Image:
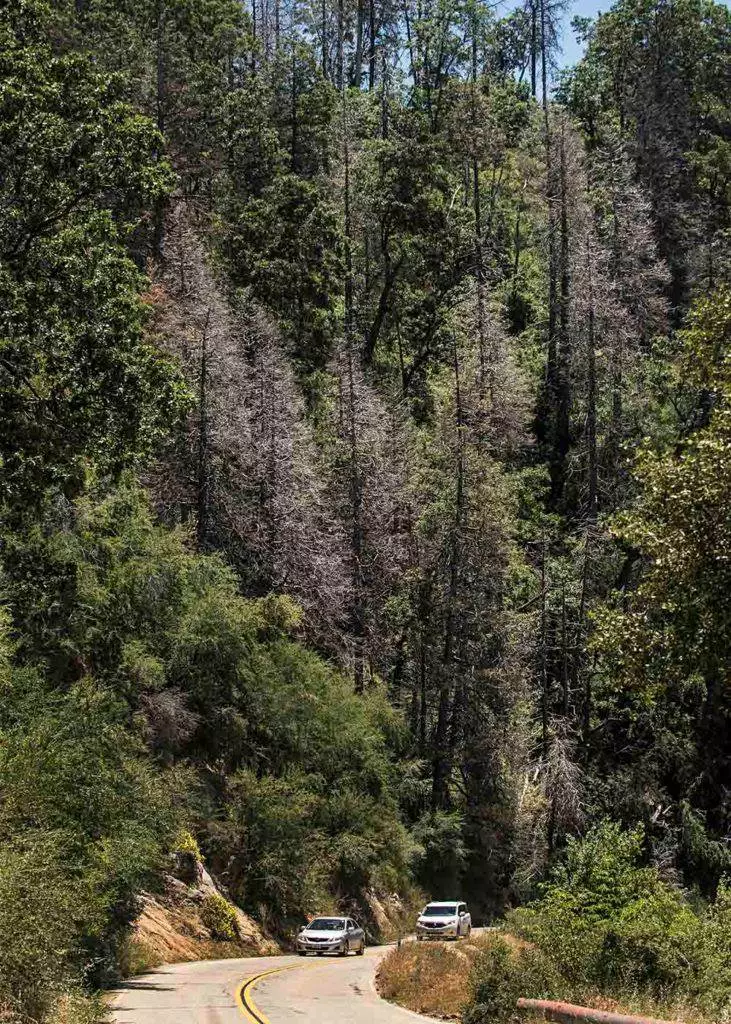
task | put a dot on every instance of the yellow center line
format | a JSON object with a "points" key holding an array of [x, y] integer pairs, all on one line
{"points": [[245, 999]]}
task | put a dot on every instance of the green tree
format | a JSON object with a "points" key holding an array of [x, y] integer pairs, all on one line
{"points": [[666, 646], [80, 386]]}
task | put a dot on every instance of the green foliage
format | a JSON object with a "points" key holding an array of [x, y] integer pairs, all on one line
{"points": [[84, 825], [136, 957], [79, 385], [185, 843], [665, 647], [440, 837], [308, 807], [219, 917], [683, 156], [501, 975], [607, 924], [286, 245], [481, 285], [681, 528]]}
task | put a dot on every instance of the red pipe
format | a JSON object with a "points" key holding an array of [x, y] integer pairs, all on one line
{"points": [[567, 1013]]}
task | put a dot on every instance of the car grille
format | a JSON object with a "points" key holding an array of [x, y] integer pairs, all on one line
{"points": [[434, 924], [319, 940]]}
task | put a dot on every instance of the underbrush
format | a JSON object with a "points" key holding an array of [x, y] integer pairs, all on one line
{"points": [[68, 1008], [610, 932], [137, 957], [430, 978], [606, 932]]}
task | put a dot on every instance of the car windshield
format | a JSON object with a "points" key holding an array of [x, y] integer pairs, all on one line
{"points": [[440, 910], [327, 924]]}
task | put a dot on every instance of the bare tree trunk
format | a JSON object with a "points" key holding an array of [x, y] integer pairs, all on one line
{"points": [[593, 496], [371, 45], [384, 97], [410, 46], [340, 60], [552, 352], [356, 503], [563, 410], [442, 766], [545, 695], [477, 213], [533, 48], [295, 118], [517, 243], [358, 60], [203, 455], [544, 61], [565, 682], [390, 272], [324, 39], [586, 710], [422, 697], [479, 272], [158, 240], [356, 484]]}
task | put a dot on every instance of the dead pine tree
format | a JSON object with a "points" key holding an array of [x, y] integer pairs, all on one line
{"points": [[442, 764]]}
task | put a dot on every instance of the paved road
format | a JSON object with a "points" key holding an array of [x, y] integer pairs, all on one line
{"points": [[316, 990]]}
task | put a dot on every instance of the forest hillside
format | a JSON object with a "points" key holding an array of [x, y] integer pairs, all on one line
{"points": [[365, 465]]}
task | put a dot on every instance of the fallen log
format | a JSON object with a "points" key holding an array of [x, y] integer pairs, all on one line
{"points": [[567, 1013]]}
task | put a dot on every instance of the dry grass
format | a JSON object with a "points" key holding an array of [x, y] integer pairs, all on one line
{"points": [[435, 979], [430, 977]]}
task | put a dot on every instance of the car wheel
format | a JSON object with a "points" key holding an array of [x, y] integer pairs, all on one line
{"points": [[419, 938], [361, 948], [301, 952], [345, 950]]}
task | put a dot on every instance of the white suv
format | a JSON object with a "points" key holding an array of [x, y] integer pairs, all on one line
{"points": [[450, 920]]}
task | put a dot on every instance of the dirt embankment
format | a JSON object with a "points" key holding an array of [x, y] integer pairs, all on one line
{"points": [[192, 921]]}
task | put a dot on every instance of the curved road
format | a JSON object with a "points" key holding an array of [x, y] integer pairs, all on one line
{"points": [[316, 990]]}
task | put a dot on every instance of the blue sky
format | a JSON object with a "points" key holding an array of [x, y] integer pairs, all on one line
{"points": [[586, 8], [572, 50]]}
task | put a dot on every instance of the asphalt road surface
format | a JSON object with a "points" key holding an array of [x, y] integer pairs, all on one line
{"points": [[312, 990]]}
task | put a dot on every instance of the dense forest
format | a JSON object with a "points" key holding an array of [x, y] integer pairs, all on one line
{"points": [[365, 440]]}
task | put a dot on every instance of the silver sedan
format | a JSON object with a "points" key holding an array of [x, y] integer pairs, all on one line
{"points": [[340, 935]]}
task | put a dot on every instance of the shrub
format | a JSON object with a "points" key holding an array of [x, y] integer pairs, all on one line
{"points": [[188, 856], [612, 926], [186, 844], [712, 963], [606, 921], [219, 917], [501, 975], [428, 978], [77, 1008], [40, 910], [137, 957]]}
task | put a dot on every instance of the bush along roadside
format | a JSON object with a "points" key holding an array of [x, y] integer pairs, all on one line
{"points": [[610, 933], [606, 932]]}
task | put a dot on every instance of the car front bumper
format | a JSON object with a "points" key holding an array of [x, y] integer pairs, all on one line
{"points": [[448, 931], [320, 947]]}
